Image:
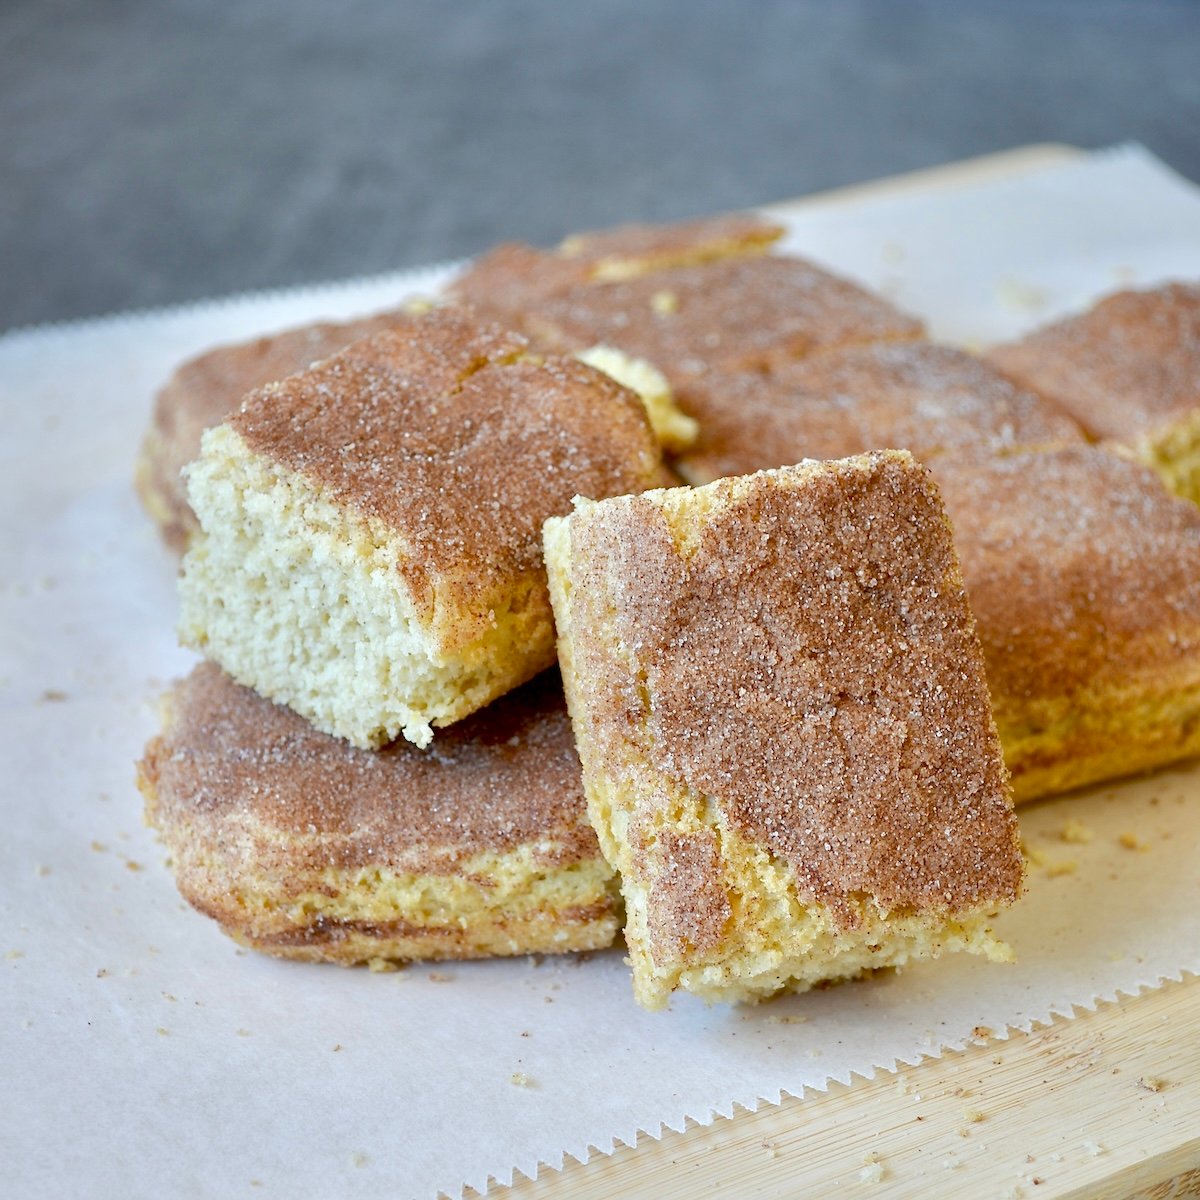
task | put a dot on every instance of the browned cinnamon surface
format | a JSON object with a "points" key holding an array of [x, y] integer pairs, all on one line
{"points": [[456, 440], [512, 278], [917, 396], [733, 314], [1126, 367], [1083, 570], [809, 662], [232, 767]]}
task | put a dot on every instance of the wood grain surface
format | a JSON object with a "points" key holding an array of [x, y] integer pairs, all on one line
{"points": [[1103, 1106]]}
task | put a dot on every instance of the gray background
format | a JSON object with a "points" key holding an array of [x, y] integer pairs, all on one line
{"points": [[153, 152]]}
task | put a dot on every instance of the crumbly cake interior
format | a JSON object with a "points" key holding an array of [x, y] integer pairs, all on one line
{"points": [[1084, 575], [788, 751], [304, 847], [302, 599], [370, 546], [674, 429]]}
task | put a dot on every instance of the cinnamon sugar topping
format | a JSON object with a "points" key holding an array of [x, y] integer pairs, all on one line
{"points": [[232, 761], [918, 396], [1083, 571], [736, 314], [1124, 368], [453, 436], [807, 659], [627, 250], [512, 278]]}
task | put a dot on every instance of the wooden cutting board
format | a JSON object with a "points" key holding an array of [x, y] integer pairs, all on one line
{"points": [[1103, 1105]]}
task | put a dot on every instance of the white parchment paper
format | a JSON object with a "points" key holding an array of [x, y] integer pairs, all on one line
{"points": [[146, 1055]]}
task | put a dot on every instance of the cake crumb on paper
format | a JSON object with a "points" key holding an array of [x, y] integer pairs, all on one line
{"points": [[1064, 866], [382, 966], [1076, 832]]}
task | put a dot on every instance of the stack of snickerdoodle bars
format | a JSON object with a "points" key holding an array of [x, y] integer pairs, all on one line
{"points": [[778, 679]]}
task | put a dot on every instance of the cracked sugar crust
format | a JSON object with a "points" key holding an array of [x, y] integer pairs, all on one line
{"points": [[917, 396], [1083, 570], [457, 439], [801, 651], [506, 777], [1124, 368], [744, 313]]}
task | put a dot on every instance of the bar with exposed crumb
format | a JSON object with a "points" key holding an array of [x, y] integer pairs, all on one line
{"points": [[369, 551], [788, 751], [304, 847]]}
